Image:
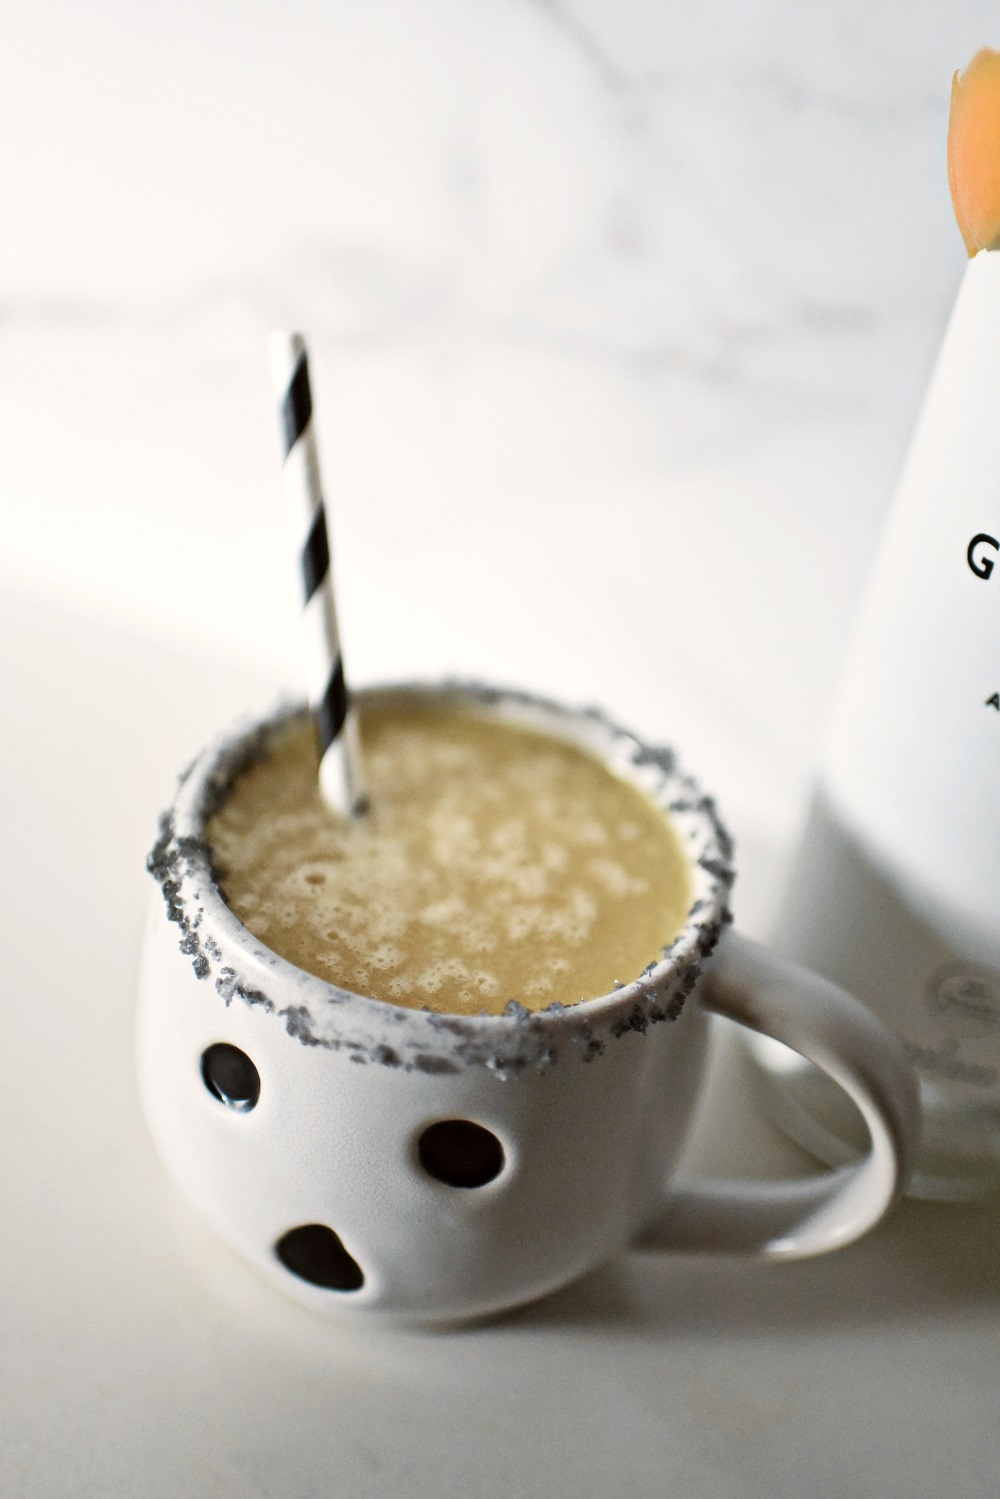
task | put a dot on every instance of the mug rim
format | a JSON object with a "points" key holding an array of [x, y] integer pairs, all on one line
{"points": [[319, 1013]]}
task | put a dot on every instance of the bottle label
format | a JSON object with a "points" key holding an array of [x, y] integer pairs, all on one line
{"points": [[913, 758]]}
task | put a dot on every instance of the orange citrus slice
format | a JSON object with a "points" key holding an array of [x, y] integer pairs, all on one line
{"points": [[974, 151]]}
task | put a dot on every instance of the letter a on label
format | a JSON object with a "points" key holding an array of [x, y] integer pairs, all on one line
{"points": [[994, 701]]}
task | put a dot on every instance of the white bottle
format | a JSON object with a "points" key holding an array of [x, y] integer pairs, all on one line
{"points": [[896, 888]]}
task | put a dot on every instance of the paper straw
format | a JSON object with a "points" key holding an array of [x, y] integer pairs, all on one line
{"points": [[340, 774]]}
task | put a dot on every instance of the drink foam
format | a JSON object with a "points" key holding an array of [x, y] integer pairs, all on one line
{"points": [[497, 863]]}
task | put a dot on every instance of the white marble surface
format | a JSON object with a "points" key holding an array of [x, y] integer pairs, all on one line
{"points": [[138, 1357], [621, 314], [620, 317]]}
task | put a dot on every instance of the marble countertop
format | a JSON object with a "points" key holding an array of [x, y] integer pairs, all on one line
{"points": [[620, 318], [140, 1357]]}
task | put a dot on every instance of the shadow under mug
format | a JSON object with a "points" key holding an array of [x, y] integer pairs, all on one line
{"points": [[376, 1160]]}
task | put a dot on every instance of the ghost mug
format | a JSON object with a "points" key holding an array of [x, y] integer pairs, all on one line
{"points": [[380, 1161]]}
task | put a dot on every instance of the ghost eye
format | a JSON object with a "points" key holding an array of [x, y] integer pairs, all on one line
{"points": [[460, 1153], [230, 1076]]}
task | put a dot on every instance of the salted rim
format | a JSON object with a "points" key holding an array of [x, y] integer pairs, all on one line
{"points": [[236, 966]]}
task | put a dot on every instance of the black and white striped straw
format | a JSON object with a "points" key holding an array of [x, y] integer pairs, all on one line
{"points": [[340, 773]]}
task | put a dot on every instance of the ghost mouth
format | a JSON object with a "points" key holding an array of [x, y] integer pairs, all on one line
{"points": [[314, 1253]]}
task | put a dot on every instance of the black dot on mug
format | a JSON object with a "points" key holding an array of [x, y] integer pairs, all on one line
{"points": [[314, 1253], [230, 1076], [460, 1153]]}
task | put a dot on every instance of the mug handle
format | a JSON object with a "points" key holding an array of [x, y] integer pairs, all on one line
{"points": [[789, 1220]]}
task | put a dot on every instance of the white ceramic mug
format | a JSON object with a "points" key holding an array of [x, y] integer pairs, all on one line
{"points": [[379, 1160]]}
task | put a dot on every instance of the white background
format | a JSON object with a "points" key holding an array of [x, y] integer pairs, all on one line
{"points": [[620, 317], [621, 311]]}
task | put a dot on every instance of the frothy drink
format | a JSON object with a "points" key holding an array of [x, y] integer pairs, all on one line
{"points": [[497, 863]]}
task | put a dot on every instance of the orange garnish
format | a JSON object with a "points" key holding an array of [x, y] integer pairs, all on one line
{"points": [[974, 151]]}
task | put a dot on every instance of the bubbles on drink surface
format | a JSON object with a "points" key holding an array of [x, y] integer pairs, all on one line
{"points": [[496, 863]]}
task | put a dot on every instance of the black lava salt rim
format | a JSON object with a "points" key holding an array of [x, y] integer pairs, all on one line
{"points": [[237, 967]]}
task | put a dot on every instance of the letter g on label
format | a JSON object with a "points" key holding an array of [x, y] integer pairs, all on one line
{"points": [[980, 562]]}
